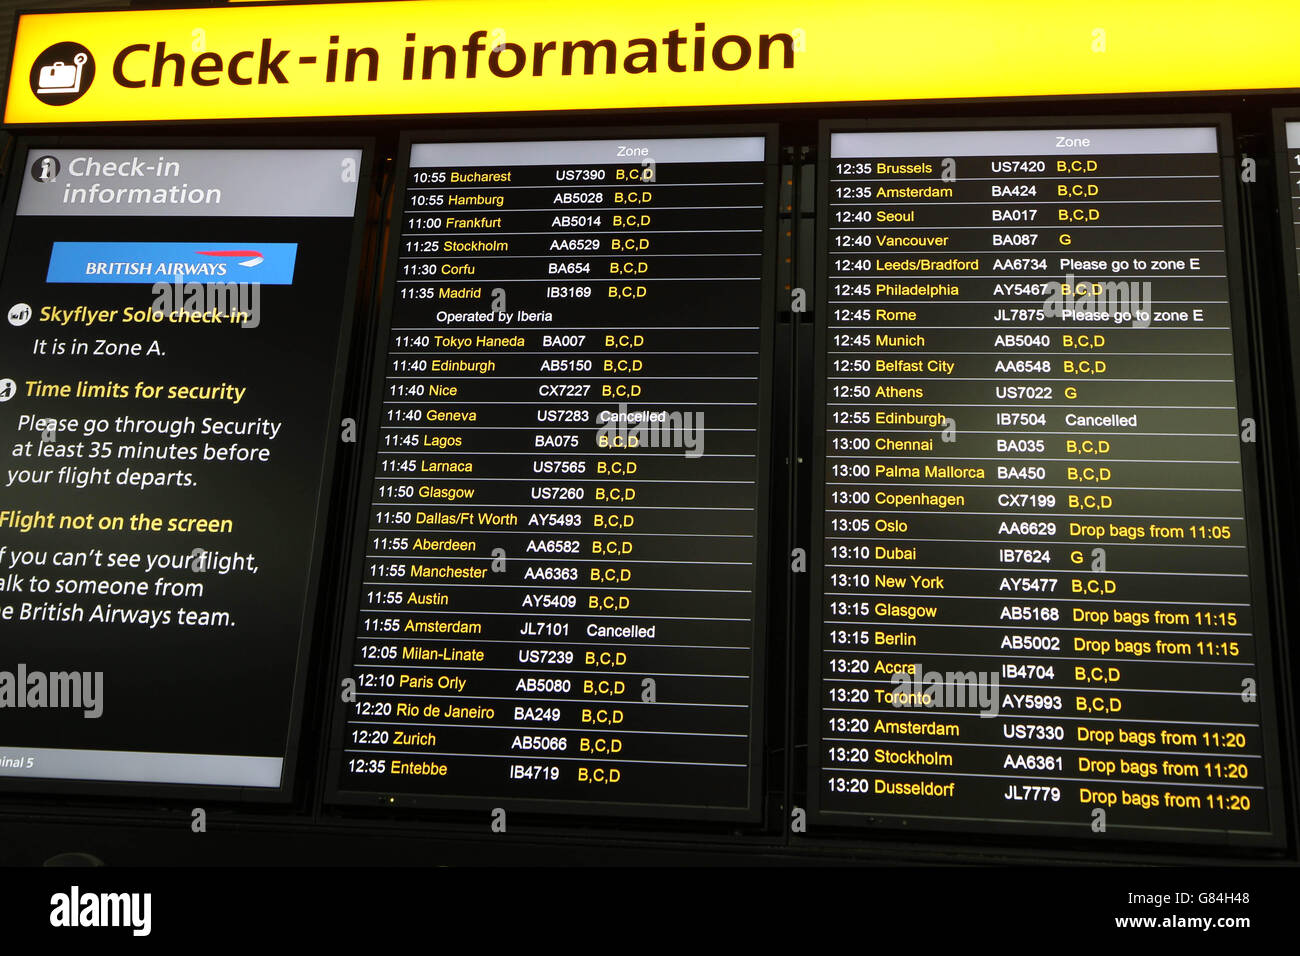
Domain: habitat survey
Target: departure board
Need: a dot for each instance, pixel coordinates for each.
(1291, 170)
(170, 379)
(560, 577)
(1040, 607)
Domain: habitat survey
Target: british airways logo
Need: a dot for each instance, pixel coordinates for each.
(270, 263)
(254, 258)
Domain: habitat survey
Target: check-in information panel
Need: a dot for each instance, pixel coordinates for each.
(173, 320)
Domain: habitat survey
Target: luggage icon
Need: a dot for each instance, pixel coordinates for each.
(60, 77)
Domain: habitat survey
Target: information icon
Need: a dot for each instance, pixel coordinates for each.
(20, 313)
(8, 389)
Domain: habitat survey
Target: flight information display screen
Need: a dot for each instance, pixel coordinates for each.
(1291, 166)
(560, 577)
(1041, 600)
(174, 321)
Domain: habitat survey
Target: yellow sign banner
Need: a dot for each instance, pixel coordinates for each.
(463, 56)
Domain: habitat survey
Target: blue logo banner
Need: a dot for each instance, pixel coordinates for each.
(270, 263)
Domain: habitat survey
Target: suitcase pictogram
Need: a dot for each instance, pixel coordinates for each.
(60, 77)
